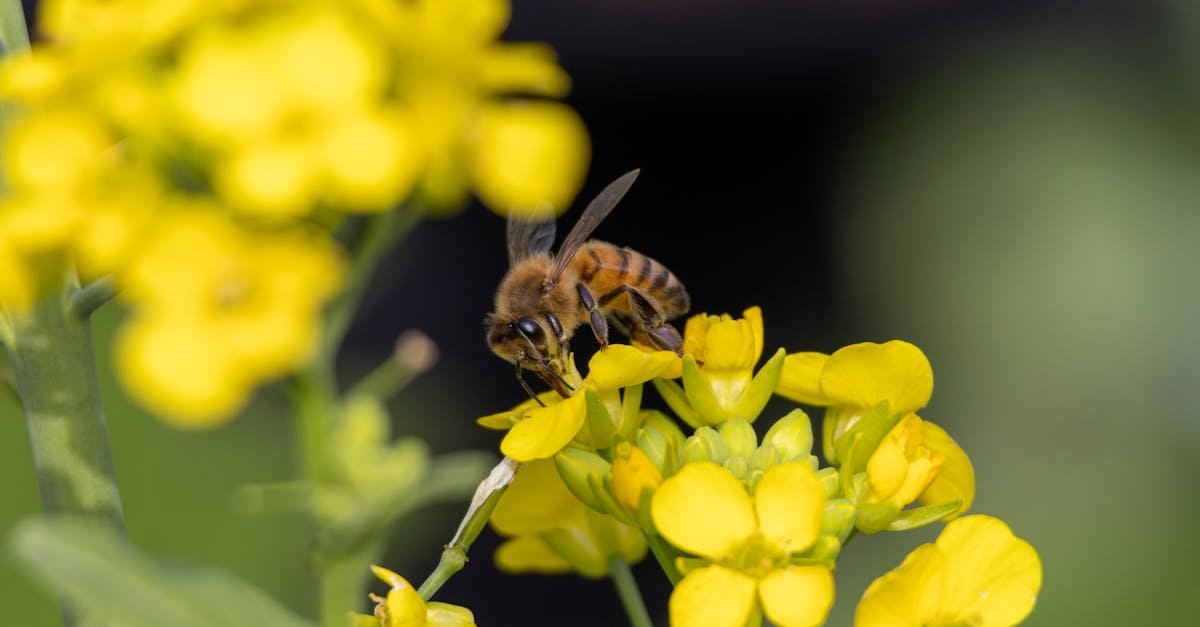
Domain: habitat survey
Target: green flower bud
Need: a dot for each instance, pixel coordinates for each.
(739, 437)
(713, 443)
(576, 466)
(764, 457)
(791, 435)
(830, 481)
(738, 466)
(826, 549)
(838, 518)
(875, 517)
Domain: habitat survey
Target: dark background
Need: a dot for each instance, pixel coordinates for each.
(1011, 185)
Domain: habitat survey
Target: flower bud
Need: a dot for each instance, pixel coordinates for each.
(838, 518)
(738, 466)
(791, 435)
(581, 470)
(632, 474)
(830, 481)
(739, 437)
(712, 445)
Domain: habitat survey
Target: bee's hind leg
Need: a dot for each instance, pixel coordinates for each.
(646, 324)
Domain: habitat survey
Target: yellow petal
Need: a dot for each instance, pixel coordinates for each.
(273, 180)
(530, 158)
(467, 23)
(901, 468)
(524, 67)
(537, 501)
(405, 606)
(731, 346)
(797, 596)
(712, 596)
(703, 509)
(622, 365)
(633, 472)
(545, 430)
(789, 500)
(695, 335)
(992, 577)
(905, 596)
(530, 554)
(864, 374)
(447, 615)
(800, 380)
(956, 480)
(182, 371)
(373, 160)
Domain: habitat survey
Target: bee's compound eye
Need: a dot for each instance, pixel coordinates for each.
(530, 328)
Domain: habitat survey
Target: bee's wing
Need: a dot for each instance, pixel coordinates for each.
(595, 213)
(529, 238)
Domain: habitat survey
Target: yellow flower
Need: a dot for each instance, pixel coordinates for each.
(976, 573)
(902, 468)
(521, 158)
(218, 311)
(749, 544)
(404, 607)
(539, 432)
(860, 378)
(554, 532)
(719, 382)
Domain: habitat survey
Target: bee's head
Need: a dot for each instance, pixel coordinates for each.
(523, 338)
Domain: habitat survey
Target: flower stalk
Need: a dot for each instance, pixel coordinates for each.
(627, 589)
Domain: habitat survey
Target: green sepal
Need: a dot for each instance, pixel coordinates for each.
(631, 406)
(644, 520)
(602, 486)
(600, 422)
(754, 398)
(737, 465)
(828, 422)
(791, 435)
(921, 516)
(676, 399)
(654, 444)
(688, 564)
(875, 517)
(831, 481)
(700, 395)
(872, 427)
(837, 519)
(577, 467)
(753, 478)
(739, 437)
(849, 487)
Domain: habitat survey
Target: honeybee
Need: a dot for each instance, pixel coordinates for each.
(543, 298)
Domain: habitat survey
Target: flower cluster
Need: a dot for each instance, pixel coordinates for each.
(751, 528)
(199, 156)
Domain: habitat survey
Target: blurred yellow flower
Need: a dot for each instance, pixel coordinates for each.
(976, 573)
(749, 544)
(219, 310)
(553, 532)
(404, 607)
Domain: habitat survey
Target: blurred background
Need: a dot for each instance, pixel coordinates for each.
(1012, 185)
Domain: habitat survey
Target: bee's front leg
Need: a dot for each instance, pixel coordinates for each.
(595, 317)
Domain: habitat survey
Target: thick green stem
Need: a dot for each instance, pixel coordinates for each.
(52, 357)
(627, 589)
(343, 583)
(665, 556)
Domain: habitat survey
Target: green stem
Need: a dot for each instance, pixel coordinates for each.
(92, 296)
(56, 375)
(380, 234)
(665, 556)
(454, 556)
(627, 589)
(343, 581)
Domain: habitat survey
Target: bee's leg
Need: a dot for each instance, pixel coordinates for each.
(525, 385)
(595, 317)
(647, 322)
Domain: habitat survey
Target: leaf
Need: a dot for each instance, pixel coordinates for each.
(108, 580)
